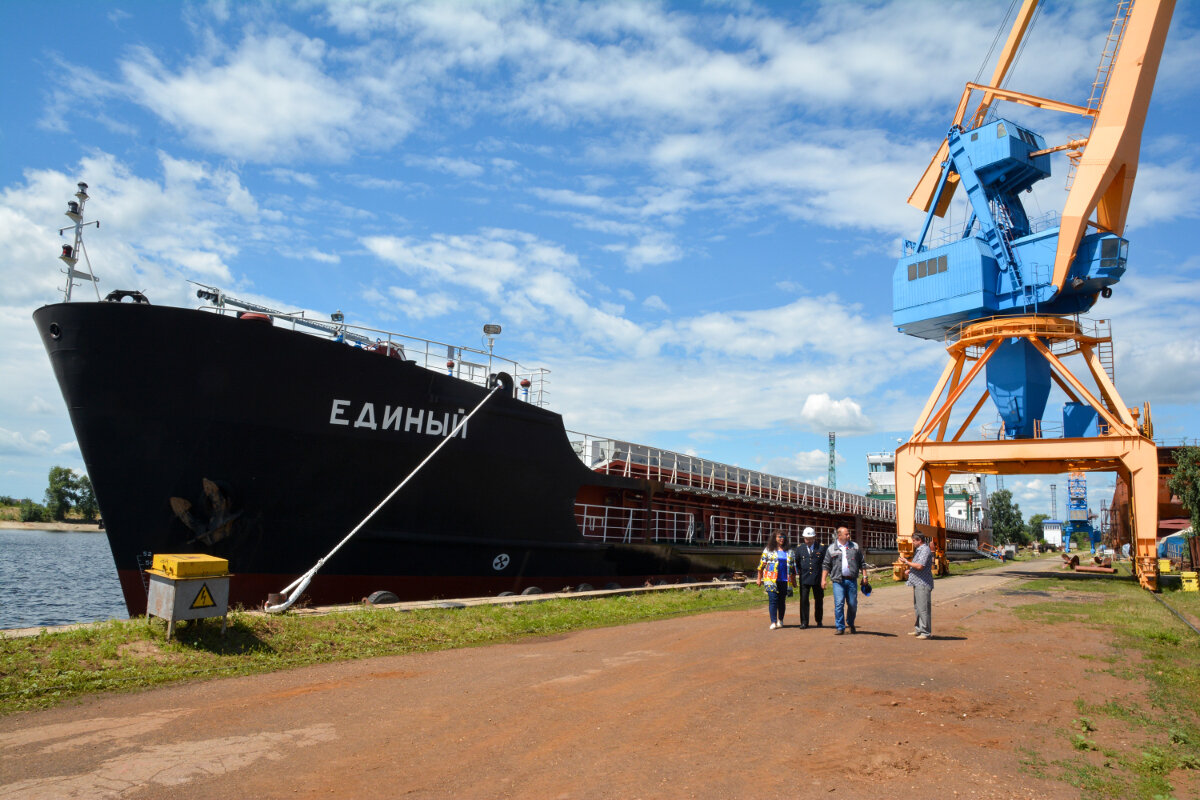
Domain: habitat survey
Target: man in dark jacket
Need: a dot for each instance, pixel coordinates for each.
(808, 567)
(842, 565)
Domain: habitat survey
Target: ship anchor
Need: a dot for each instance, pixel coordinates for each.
(220, 518)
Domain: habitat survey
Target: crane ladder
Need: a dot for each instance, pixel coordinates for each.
(1104, 349)
(1103, 72)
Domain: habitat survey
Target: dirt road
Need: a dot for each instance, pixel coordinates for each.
(712, 706)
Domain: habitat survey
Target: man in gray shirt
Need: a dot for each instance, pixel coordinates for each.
(920, 578)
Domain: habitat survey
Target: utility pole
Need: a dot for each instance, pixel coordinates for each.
(832, 460)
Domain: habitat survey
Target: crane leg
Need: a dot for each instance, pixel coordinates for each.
(1143, 495)
(908, 479)
(935, 486)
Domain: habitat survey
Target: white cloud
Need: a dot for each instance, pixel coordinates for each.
(15, 442)
(822, 412)
(656, 303)
(453, 166)
(292, 176)
(418, 306)
(270, 98)
(311, 254)
(1164, 193)
(809, 465)
(1156, 335)
(655, 248)
(38, 405)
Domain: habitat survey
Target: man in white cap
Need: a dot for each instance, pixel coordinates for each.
(808, 568)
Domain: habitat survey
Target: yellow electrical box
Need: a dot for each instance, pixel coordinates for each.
(1164, 565)
(189, 565)
(1190, 582)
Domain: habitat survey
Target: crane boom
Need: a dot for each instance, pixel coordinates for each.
(1109, 162)
(923, 194)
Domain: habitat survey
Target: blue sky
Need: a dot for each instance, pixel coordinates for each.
(689, 212)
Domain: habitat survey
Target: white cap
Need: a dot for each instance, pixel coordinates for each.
(809, 533)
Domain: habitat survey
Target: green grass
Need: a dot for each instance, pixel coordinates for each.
(1159, 656)
(130, 655)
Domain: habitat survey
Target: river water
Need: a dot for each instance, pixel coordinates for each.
(55, 578)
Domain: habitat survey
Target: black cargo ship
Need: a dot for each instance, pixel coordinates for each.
(238, 435)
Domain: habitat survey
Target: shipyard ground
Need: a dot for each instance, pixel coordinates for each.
(710, 706)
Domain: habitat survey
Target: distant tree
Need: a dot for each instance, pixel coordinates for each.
(62, 493)
(1185, 482)
(1034, 527)
(1007, 522)
(32, 512)
(86, 504)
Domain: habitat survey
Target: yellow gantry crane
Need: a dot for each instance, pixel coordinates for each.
(1006, 295)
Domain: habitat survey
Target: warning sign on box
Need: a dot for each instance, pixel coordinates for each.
(204, 599)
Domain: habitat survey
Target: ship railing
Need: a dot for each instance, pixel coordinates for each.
(609, 523)
(618, 457)
(465, 363)
(876, 540)
(626, 525)
(749, 532)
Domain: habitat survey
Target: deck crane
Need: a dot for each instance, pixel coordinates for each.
(1005, 292)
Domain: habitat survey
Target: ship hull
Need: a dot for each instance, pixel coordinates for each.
(207, 433)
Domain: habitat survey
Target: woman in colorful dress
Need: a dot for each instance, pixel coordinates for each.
(777, 572)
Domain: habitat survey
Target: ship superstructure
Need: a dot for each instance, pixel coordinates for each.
(965, 497)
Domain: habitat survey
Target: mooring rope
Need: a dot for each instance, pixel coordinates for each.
(1171, 608)
(296, 588)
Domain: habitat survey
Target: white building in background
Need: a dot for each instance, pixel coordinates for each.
(965, 495)
(1052, 532)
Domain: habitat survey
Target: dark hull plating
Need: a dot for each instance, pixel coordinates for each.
(164, 400)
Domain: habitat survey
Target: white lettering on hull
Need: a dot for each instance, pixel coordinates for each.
(335, 416)
(415, 420)
(366, 417)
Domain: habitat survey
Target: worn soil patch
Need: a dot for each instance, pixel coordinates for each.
(711, 706)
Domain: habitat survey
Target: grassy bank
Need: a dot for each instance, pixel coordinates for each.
(133, 654)
(1146, 741)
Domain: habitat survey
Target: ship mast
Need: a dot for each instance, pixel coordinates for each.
(70, 253)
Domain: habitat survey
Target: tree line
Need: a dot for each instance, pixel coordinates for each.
(65, 493)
